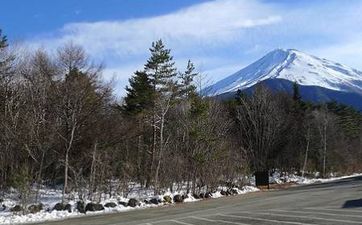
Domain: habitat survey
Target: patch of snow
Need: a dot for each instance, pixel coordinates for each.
(279, 178)
(49, 197)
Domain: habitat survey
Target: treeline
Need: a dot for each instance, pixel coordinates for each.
(61, 125)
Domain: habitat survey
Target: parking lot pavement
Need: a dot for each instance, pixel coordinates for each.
(306, 216)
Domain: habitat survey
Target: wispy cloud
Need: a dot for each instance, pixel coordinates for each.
(220, 35)
(121, 43)
(214, 21)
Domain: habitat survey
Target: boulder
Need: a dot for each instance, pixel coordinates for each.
(80, 207)
(125, 204)
(35, 208)
(208, 195)
(233, 191)
(167, 199)
(110, 205)
(178, 198)
(59, 207)
(133, 202)
(68, 207)
(3, 207)
(222, 192)
(202, 195)
(196, 196)
(16, 208)
(92, 207)
(155, 201)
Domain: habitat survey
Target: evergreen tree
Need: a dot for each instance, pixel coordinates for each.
(239, 96)
(187, 88)
(3, 40)
(139, 94)
(5, 58)
(296, 93)
(160, 68)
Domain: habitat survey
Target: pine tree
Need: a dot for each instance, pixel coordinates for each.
(187, 88)
(160, 68)
(3, 40)
(5, 58)
(139, 94)
(296, 93)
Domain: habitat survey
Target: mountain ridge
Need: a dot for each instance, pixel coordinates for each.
(295, 66)
(320, 79)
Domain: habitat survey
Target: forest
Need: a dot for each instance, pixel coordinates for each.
(62, 125)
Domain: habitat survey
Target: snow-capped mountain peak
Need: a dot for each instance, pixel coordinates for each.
(294, 66)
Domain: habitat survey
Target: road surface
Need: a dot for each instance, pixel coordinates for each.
(338, 202)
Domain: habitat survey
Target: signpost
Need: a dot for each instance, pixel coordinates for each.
(262, 178)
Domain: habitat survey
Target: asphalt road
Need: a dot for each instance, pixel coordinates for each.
(338, 202)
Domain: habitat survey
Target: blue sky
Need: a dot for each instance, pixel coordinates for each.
(220, 36)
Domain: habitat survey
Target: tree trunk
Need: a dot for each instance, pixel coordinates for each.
(324, 148)
(306, 152)
(39, 176)
(66, 163)
(93, 171)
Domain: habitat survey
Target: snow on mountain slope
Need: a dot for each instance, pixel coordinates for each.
(295, 66)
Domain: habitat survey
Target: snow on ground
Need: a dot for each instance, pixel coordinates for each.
(49, 197)
(279, 178)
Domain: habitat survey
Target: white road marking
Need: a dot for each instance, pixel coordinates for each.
(180, 222)
(305, 217)
(266, 220)
(217, 221)
(337, 210)
(319, 213)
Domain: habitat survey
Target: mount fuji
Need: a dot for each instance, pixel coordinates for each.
(319, 80)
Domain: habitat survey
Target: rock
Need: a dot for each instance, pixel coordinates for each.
(202, 195)
(196, 196)
(125, 204)
(80, 207)
(3, 207)
(185, 196)
(68, 207)
(228, 192)
(155, 201)
(59, 207)
(110, 205)
(167, 199)
(35, 208)
(233, 191)
(178, 199)
(208, 195)
(16, 208)
(1, 200)
(94, 207)
(222, 192)
(133, 202)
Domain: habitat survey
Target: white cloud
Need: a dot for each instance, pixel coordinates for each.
(212, 21)
(123, 45)
(346, 52)
(220, 36)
